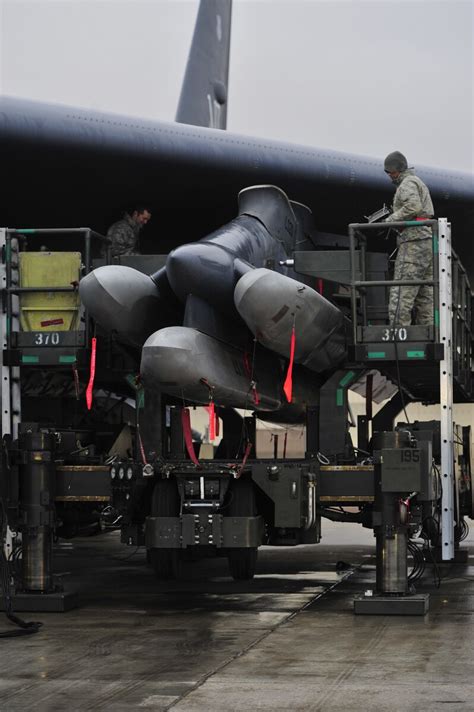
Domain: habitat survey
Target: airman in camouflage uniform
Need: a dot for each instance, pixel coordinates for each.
(124, 233)
(415, 252)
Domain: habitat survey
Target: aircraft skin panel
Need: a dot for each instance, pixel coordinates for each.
(51, 124)
(204, 94)
(94, 164)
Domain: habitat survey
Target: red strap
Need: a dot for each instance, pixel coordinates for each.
(320, 285)
(188, 436)
(142, 449)
(90, 386)
(244, 461)
(256, 397)
(288, 385)
(212, 421)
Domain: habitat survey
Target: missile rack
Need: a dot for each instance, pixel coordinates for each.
(215, 506)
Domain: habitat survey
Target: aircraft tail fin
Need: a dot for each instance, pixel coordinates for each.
(203, 99)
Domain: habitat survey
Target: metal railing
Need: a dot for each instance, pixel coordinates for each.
(358, 287)
(11, 289)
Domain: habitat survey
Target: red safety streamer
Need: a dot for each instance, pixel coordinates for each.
(188, 436)
(212, 421)
(288, 385)
(256, 397)
(248, 450)
(90, 386)
(142, 449)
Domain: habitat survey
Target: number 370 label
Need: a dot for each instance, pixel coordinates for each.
(397, 334)
(48, 338)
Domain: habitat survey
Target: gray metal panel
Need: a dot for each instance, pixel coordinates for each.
(284, 488)
(346, 481)
(241, 532)
(333, 265)
(417, 605)
(163, 533)
(401, 470)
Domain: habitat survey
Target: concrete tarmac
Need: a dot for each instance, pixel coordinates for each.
(288, 640)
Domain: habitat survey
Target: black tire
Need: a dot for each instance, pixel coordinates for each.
(165, 503)
(165, 563)
(242, 563)
(242, 503)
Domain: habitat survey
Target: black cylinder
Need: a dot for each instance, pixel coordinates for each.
(36, 474)
(391, 533)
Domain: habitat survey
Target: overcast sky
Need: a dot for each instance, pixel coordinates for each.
(365, 76)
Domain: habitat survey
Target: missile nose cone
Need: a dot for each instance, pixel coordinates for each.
(122, 299)
(271, 303)
(187, 364)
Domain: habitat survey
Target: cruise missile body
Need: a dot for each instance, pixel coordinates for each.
(236, 307)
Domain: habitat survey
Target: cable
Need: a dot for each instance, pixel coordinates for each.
(418, 562)
(25, 627)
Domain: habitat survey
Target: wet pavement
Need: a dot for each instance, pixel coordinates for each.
(288, 640)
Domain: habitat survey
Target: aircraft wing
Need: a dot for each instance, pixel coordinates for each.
(65, 166)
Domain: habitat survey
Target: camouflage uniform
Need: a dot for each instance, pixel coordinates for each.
(415, 252)
(124, 236)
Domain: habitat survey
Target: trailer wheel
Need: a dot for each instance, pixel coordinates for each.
(242, 563)
(242, 503)
(165, 503)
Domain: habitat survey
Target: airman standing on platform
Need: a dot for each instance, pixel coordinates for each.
(412, 201)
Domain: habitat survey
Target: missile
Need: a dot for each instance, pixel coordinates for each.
(195, 317)
(193, 366)
(271, 303)
(126, 301)
(185, 363)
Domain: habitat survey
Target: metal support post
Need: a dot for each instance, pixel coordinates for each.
(38, 591)
(15, 388)
(37, 477)
(6, 393)
(176, 438)
(390, 522)
(7, 374)
(446, 389)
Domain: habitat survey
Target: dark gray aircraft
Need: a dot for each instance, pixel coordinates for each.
(68, 166)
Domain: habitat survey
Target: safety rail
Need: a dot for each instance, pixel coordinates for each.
(358, 287)
(452, 300)
(10, 289)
